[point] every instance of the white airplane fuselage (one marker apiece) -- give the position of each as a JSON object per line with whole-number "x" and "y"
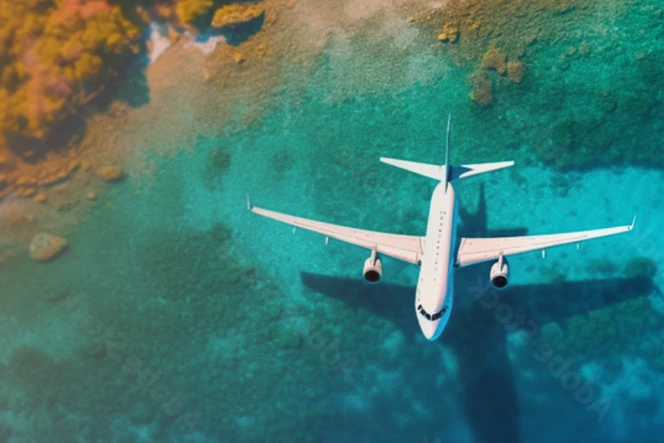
{"x": 435, "y": 286}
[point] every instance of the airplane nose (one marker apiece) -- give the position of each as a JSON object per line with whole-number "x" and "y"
{"x": 429, "y": 329}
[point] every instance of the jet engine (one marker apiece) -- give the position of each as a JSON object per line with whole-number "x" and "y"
{"x": 373, "y": 268}
{"x": 500, "y": 272}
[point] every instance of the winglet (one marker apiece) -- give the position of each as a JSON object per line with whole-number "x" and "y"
{"x": 249, "y": 205}
{"x": 633, "y": 223}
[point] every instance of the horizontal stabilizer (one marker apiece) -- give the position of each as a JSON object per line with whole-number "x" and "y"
{"x": 437, "y": 172}
{"x": 432, "y": 171}
{"x": 465, "y": 171}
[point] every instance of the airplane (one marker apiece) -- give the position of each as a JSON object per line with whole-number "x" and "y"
{"x": 438, "y": 253}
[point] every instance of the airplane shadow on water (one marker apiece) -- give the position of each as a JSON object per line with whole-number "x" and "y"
{"x": 476, "y": 224}
{"x": 477, "y": 337}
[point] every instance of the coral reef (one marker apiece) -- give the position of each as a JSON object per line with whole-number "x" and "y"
{"x": 606, "y": 330}
{"x": 482, "y": 90}
{"x": 449, "y": 33}
{"x": 220, "y": 158}
{"x": 494, "y": 59}
{"x": 218, "y": 161}
{"x": 640, "y": 267}
{"x": 515, "y": 70}
{"x": 569, "y": 54}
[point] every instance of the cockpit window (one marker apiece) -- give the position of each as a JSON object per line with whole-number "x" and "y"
{"x": 430, "y": 317}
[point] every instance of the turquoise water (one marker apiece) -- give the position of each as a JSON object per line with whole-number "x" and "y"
{"x": 178, "y": 316}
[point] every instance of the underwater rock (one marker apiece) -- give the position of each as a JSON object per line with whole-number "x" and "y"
{"x": 515, "y": 71}
{"x": 26, "y": 180}
{"x": 57, "y": 173}
{"x": 220, "y": 158}
{"x": 110, "y": 173}
{"x": 449, "y": 33}
{"x": 40, "y": 197}
{"x": 238, "y": 58}
{"x": 640, "y": 267}
{"x": 234, "y": 14}
{"x": 494, "y": 59}
{"x": 45, "y": 247}
{"x": 482, "y": 90}
{"x": 26, "y": 192}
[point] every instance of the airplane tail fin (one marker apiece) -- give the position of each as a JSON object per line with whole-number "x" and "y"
{"x": 445, "y": 172}
{"x": 445, "y": 168}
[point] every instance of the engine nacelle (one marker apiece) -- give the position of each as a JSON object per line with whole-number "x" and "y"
{"x": 373, "y": 269}
{"x": 500, "y": 273}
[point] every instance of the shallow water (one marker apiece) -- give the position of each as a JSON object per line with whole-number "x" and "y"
{"x": 178, "y": 316}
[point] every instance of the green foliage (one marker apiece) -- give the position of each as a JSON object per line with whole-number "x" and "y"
{"x": 188, "y": 11}
{"x": 54, "y": 55}
{"x": 57, "y": 54}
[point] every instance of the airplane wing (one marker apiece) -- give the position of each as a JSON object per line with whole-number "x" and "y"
{"x": 477, "y": 250}
{"x": 402, "y": 247}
